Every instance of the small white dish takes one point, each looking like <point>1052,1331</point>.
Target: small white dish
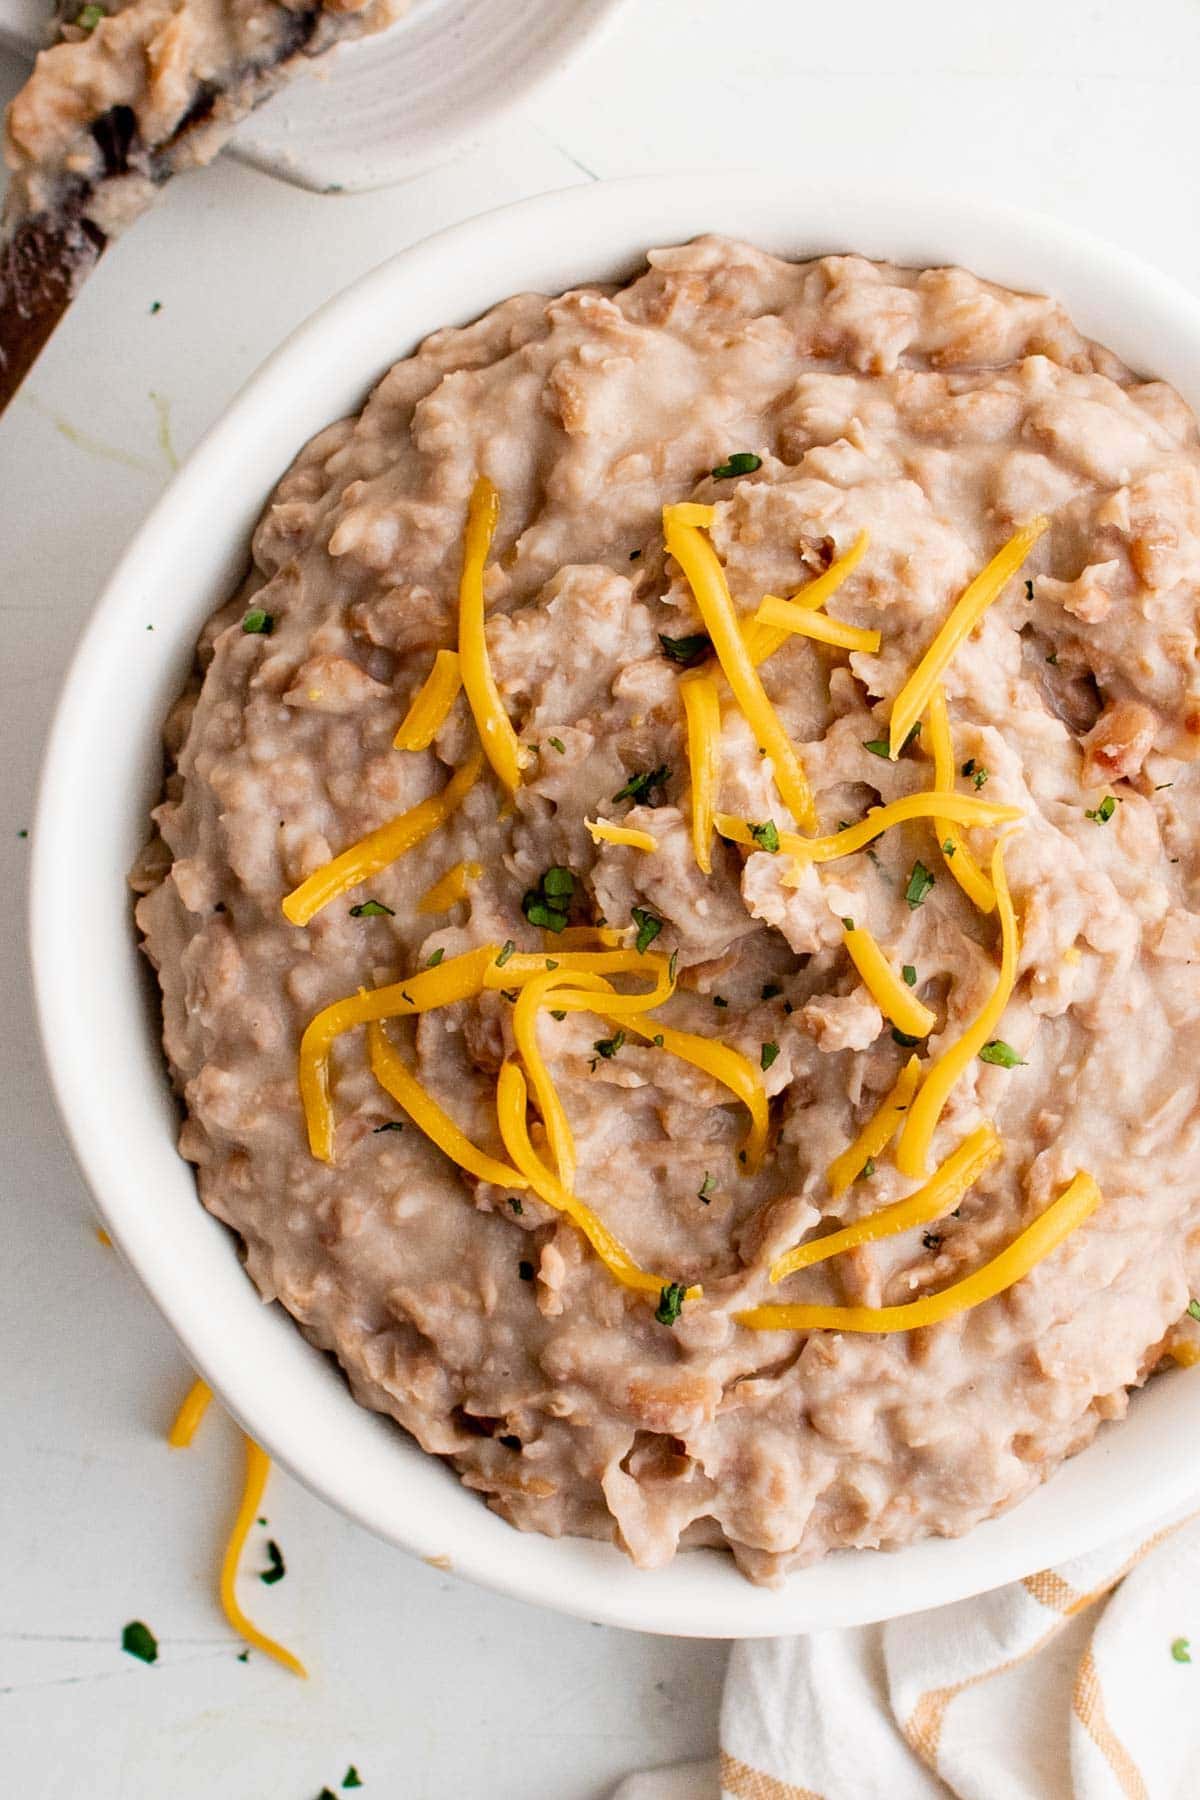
<point>98,1011</point>
<point>386,108</point>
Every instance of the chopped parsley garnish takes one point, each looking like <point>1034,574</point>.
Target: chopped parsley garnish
<point>372,909</point>
<point>90,17</point>
<point>1001,1054</point>
<point>648,928</point>
<point>326,1794</point>
<point>658,1040</point>
<point>903,1039</point>
<point>1158,790</point>
<point>1194,1309</point>
<point>436,958</point>
<point>670,1303</point>
<point>766,836</point>
<point>767,1055</point>
<point>742,462</point>
<point>877,746</point>
<point>640,785</point>
<point>1053,658</point>
<point>771,992</point>
<point>1029,590</point>
<point>505,954</point>
<point>867,1170</point>
<point>706,1188</point>
<point>848,923</point>
<point>720,1000</point>
<point>258,623</point>
<point>556,743</point>
<point>277,1569</point>
<point>1100,815</point>
<point>686,650</point>
<point>932,1240</point>
<point>909,974</point>
<point>976,771</point>
<point>525,1271</point>
<point>550,963</point>
<point>243,1656</point>
<point>608,1047</point>
<point>556,1012</point>
<point>1181,1650</point>
<point>919,883</point>
<point>949,847</point>
<point>549,904</point>
<point>155,306</point>
<point>138,1640</point>
<point>516,1205</point>
<point>392,1125</point>
<point>633,555</point>
<point>352,1778</point>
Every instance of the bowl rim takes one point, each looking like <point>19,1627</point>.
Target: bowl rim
<point>102,1054</point>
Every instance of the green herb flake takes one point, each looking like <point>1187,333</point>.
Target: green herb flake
<point>877,747</point>
<point>742,462</point>
<point>979,776</point>
<point>436,958</point>
<point>516,1204</point>
<point>919,883</point>
<point>22,833</point>
<point>1181,1650</point>
<point>551,964</point>
<point>277,1569</point>
<point>558,883</point>
<point>90,17</point>
<point>903,1039</point>
<point>1053,658</point>
<point>670,1303</point>
<point>642,783</point>
<point>505,953</point>
<point>556,743</point>
<point>372,909</point>
<point>932,1240</point>
<point>633,555</point>
<point>258,623</point>
<point>1194,1309</point>
<point>608,1047</point>
<point>352,1778</point>
<point>1002,1055</point>
<point>1100,815</point>
<point>1029,590</point>
<point>706,1188</point>
<point>949,847</point>
<point>720,1000</point>
<point>686,650</point>
<point>658,1040</point>
<point>392,1125</point>
<point>525,1270</point>
<point>557,1012</point>
<point>909,974</point>
<point>867,1170</point>
<point>771,992</point>
<point>767,1055</point>
<point>848,924</point>
<point>1163,784</point>
<point>968,767</point>
<point>914,732</point>
<point>766,836</point>
<point>138,1640</point>
<point>326,1794</point>
<point>155,307</point>
<point>648,928</point>
<point>243,1656</point>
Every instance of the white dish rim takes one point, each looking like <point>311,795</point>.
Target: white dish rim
<point>101,1049</point>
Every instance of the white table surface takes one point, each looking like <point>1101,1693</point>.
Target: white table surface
<point>430,1687</point>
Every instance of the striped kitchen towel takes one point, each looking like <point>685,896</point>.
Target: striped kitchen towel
<point>1074,1684</point>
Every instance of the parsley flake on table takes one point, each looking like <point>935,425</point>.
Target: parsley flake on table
<point>352,1778</point>
<point>138,1640</point>
<point>648,926</point>
<point>670,1303</point>
<point>1001,1055</point>
<point>277,1568</point>
<point>919,883</point>
<point>1181,1650</point>
<point>742,462</point>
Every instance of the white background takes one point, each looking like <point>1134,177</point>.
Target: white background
<point>431,1688</point>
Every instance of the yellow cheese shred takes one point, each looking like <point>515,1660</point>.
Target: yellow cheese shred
<point>966,809</point>
<point>530,1000</point>
<point>691,512</point>
<point>955,854</point>
<point>380,847</point>
<point>785,615</point>
<point>512,1100</point>
<point>961,621</point>
<point>449,888</point>
<point>394,1076</point>
<point>195,1405</point>
<point>258,1467</point>
<point>762,641</point>
<point>940,1195</point>
<point>1186,1353</point>
<point>500,743</point>
<point>458,978</point>
<point>702,569</point>
<point>1032,1246</point>
<point>521,966</point>
<point>878,1131</point>
<point>895,1000</point>
<point>912,1152</point>
<point>603,831</point>
<point>726,1065</point>
<point>702,714</point>
<point>431,703</point>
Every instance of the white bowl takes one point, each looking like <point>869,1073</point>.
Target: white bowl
<point>98,1014</point>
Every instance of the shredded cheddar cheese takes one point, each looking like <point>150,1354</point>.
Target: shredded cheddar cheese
<point>1186,1353</point>
<point>726,1065</point>
<point>380,847</point>
<point>691,512</point>
<point>966,809</point>
<point>195,1405</point>
<point>878,1131</point>
<point>785,615</point>
<point>512,1100</point>
<point>955,854</point>
<point>394,1076</point>
<point>702,569</point>
<point>258,1467</point>
<point>521,966</point>
<point>500,743</point>
<point>602,831</point>
<point>1027,1250</point>
<point>702,713</point>
<point>912,1152</point>
<point>431,703</point>
<point>524,1023</point>
<point>940,1195</point>
<point>896,1002</point>
<point>449,888</point>
<point>961,621</point>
